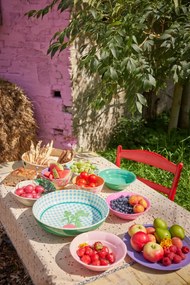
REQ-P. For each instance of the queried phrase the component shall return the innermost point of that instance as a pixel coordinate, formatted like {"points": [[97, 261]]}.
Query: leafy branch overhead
{"points": [[132, 45]]}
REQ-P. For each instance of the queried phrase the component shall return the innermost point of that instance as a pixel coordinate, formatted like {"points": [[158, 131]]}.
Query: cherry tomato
{"points": [[84, 175], [91, 185], [92, 178], [81, 182]]}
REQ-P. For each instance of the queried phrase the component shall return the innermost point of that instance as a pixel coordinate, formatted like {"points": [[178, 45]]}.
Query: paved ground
{"points": [[12, 271]]}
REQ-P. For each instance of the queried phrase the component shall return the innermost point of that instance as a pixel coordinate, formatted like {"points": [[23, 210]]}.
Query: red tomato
{"points": [[81, 182], [92, 178], [84, 175], [86, 259], [91, 185], [110, 257]]}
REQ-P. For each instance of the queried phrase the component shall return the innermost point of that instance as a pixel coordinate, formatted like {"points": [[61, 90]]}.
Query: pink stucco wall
{"points": [[24, 61]]}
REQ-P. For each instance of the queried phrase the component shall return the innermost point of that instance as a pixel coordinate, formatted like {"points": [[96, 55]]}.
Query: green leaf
{"points": [[113, 73], [139, 107], [93, 12], [152, 80], [142, 99], [113, 51], [136, 48]]}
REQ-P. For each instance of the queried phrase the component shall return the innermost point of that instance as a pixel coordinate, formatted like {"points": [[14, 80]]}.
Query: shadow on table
{"points": [[112, 219], [66, 262], [14, 166]]}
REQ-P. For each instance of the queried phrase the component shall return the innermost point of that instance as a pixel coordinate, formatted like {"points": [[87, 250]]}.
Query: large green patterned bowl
{"points": [[70, 212]]}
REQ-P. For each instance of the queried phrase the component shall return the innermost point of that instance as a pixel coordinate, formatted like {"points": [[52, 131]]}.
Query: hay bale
{"points": [[17, 124]]}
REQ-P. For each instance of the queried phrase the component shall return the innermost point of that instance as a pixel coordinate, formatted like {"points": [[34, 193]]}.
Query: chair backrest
{"points": [[155, 160]]}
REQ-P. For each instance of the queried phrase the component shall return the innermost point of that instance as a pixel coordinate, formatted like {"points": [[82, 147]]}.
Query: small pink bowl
{"points": [[123, 215], [113, 242]]}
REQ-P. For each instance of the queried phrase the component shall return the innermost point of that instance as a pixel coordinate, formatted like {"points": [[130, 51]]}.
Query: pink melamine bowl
{"points": [[123, 215], [113, 242]]}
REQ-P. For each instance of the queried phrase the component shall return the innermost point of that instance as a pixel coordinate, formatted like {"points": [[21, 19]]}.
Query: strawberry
{"points": [[104, 262], [98, 245]]}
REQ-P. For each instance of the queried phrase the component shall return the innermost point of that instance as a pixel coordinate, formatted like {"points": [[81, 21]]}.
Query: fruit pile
{"points": [[158, 243], [97, 254], [79, 166], [30, 191], [129, 204], [56, 171], [84, 179]]}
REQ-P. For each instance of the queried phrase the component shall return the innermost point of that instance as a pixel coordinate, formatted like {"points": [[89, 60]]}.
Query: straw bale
{"points": [[17, 123]]}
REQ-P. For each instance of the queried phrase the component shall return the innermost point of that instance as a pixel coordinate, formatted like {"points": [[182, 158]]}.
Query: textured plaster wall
{"points": [[24, 61]]}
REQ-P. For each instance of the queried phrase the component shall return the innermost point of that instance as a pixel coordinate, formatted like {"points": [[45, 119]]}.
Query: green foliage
{"points": [[153, 136], [133, 46]]}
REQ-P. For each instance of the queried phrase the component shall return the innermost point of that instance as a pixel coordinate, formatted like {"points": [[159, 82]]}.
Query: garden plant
{"points": [[134, 134]]}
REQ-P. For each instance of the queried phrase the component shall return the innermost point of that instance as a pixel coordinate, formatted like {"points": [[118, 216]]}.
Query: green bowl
{"points": [[70, 212], [117, 179]]}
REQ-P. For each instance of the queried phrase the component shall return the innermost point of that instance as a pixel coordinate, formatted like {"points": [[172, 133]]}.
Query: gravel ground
{"points": [[12, 271]]}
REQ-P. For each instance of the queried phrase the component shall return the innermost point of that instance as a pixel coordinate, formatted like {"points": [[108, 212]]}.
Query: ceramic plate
{"points": [[138, 257], [70, 212]]}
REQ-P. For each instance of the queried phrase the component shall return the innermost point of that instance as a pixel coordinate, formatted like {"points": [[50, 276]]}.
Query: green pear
{"points": [[161, 233], [159, 223], [177, 231]]}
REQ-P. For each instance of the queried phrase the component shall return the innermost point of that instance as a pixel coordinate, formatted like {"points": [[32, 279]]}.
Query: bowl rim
{"points": [[98, 232], [64, 192], [118, 170], [125, 193]]}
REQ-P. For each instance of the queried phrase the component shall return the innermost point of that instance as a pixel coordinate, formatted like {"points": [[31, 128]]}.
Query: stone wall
{"points": [[24, 61]]}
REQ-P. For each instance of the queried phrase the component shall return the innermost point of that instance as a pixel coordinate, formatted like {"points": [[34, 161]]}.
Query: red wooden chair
{"points": [[156, 160]]}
